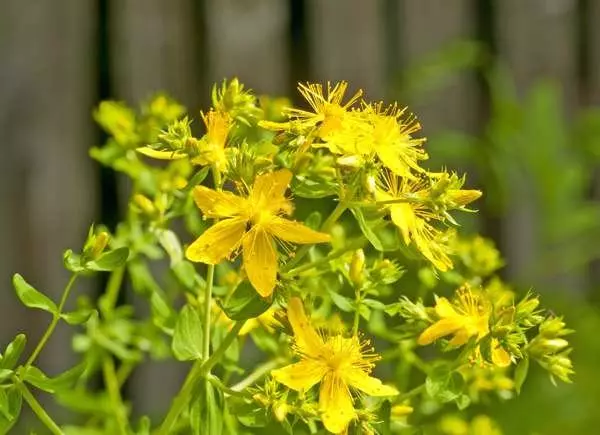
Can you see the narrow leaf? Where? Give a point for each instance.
(245, 303)
(13, 352)
(109, 260)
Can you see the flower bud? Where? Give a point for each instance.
(357, 266)
(144, 204)
(100, 242)
(280, 410)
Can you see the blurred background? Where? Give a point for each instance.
(507, 90)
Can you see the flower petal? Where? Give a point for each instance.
(214, 203)
(269, 189)
(444, 308)
(260, 261)
(500, 357)
(403, 216)
(335, 403)
(439, 329)
(307, 339)
(300, 376)
(294, 232)
(372, 386)
(161, 155)
(218, 242)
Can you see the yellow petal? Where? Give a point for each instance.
(214, 203)
(335, 403)
(260, 261)
(444, 308)
(300, 376)
(372, 386)
(218, 242)
(392, 158)
(403, 216)
(306, 337)
(439, 329)
(161, 155)
(461, 336)
(294, 232)
(269, 189)
(500, 357)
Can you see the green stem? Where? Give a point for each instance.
(260, 371)
(216, 382)
(113, 287)
(355, 324)
(210, 274)
(52, 325)
(199, 370)
(114, 392)
(39, 411)
(415, 391)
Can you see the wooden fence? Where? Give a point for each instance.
(59, 58)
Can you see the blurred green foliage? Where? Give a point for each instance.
(532, 146)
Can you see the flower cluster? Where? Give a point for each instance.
(316, 233)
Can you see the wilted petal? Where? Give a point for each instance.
(372, 386)
(300, 376)
(335, 403)
(294, 232)
(218, 242)
(260, 261)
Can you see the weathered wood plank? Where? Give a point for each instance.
(425, 28)
(48, 181)
(347, 42)
(537, 39)
(154, 46)
(249, 40)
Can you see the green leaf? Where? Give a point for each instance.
(444, 385)
(248, 413)
(5, 374)
(187, 339)
(521, 373)
(110, 260)
(31, 297)
(170, 243)
(62, 382)
(245, 303)
(72, 262)
(13, 352)
(205, 411)
(10, 408)
(78, 317)
(367, 229)
(197, 179)
(185, 272)
(342, 302)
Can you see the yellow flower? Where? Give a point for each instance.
(404, 198)
(252, 223)
(385, 133)
(334, 361)
(210, 150)
(467, 317)
(328, 115)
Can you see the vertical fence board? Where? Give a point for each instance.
(347, 43)
(426, 27)
(249, 40)
(537, 39)
(47, 178)
(154, 48)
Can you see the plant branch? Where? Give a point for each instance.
(41, 413)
